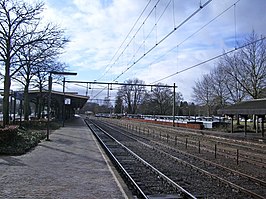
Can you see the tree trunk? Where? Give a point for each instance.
(38, 108)
(40, 103)
(26, 102)
(6, 94)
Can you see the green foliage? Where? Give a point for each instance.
(17, 141)
(38, 125)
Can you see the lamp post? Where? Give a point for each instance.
(49, 105)
(49, 97)
(63, 107)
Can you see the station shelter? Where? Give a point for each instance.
(63, 104)
(256, 107)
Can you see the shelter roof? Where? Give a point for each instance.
(67, 94)
(251, 107)
(77, 101)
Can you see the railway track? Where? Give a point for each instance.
(249, 184)
(233, 183)
(251, 153)
(143, 178)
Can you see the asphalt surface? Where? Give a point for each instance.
(71, 165)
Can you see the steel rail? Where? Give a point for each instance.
(262, 182)
(247, 156)
(117, 163)
(170, 181)
(251, 193)
(247, 159)
(256, 180)
(215, 176)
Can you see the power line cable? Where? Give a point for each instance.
(125, 40)
(235, 22)
(152, 29)
(131, 38)
(193, 34)
(118, 57)
(208, 60)
(134, 36)
(164, 38)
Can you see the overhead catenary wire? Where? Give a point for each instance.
(208, 60)
(173, 12)
(235, 22)
(142, 24)
(109, 65)
(194, 33)
(157, 44)
(201, 63)
(152, 29)
(118, 57)
(163, 39)
(134, 36)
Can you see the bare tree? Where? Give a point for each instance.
(218, 84)
(32, 57)
(160, 100)
(253, 61)
(132, 94)
(40, 80)
(248, 66)
(231, 76)
(118, 104)
(237, 76)
(17, 21)
(203, 93)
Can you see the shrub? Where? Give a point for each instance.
(16, 141)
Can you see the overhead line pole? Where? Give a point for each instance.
(116, 83)
(174, 106)
(151, 85)
(50, 82)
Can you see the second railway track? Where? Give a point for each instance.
(199, 178)
(145, 180)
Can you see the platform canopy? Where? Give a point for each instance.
(72, 99)
(251, 107)
(60, 102)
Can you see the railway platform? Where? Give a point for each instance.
(71, 165)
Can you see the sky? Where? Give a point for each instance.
(117, 40)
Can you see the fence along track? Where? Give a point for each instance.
(224, 151)
(204, 166)
(212, 169)
(146, 181)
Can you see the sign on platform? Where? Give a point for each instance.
(67, 101)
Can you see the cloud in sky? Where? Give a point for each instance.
(97, 29)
